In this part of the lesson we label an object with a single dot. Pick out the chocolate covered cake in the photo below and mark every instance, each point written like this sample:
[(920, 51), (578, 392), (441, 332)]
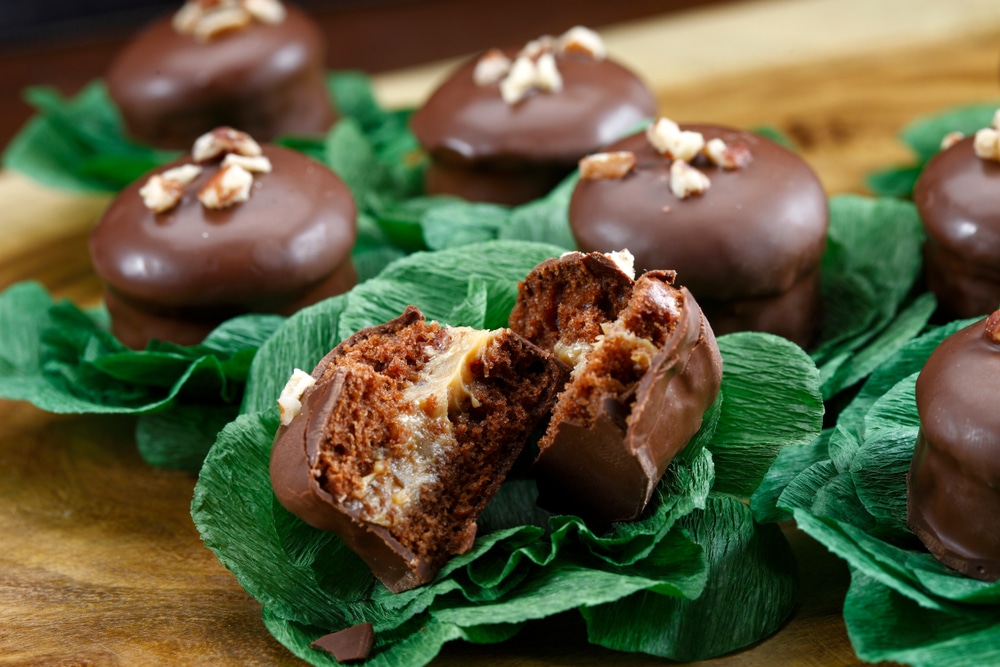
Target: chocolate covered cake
[(958, 196), (253, 64), (741, 219), (646, 368), (953, 487), (403, 433), (235, 227), (509, 125)]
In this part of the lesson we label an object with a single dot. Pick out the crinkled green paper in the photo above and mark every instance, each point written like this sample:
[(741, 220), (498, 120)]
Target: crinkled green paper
[(924, 137), (866, 282), (848, 491), (65, 360), (79, 143), (526, 564)]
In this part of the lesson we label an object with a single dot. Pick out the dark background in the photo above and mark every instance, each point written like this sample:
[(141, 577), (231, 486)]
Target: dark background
[(66, 44)]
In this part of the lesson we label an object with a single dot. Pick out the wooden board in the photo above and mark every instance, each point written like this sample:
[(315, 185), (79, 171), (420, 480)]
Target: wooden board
[(100, 564)]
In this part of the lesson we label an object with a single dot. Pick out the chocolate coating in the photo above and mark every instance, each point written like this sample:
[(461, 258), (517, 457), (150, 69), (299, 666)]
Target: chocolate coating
[(353, 643), (756, 234), (953, 485), (265, 80), (176, 275), (958, 196), (467, 126), (293, 455)]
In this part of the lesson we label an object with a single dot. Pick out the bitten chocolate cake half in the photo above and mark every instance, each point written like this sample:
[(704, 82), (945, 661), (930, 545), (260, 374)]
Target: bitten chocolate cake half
[(403, 433), (646, 368)]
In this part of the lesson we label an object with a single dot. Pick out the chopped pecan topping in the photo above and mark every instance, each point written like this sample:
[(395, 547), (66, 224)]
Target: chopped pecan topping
[(721, 154), (537, 47), (270, 12), (602, 166), (223, 140), (164, 191), (547, 77), (987, 144), (229, 186), (668, 138), (521, 79), (491, 67), (258, 165), (951, 139), (290, 400), (206, 19), (582, 40), (686, 181)]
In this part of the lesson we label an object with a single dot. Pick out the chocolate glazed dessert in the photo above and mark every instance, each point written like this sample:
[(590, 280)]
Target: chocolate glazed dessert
[(741, 219), (280, 244), (261, 72), (953, 487), (508, 126), (646, 368), (958, 196), (403, 433)]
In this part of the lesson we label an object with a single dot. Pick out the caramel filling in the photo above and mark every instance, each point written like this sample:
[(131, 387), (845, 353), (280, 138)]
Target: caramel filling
[(445, 385)]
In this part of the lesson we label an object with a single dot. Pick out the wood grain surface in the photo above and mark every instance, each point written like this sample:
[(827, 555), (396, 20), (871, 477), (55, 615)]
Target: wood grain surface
[(100, 564)]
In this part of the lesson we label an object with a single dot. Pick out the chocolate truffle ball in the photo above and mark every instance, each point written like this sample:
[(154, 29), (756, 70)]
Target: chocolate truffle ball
[(953, 498), (506, 127), (177, 274), (746, 236), (175, 81), (958, 196)]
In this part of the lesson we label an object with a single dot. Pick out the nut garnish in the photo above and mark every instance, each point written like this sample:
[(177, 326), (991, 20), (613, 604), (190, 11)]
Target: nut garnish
[(582, 40), (221, 21), (230, 185), (521, 78), (271, 12), (993, 327), (668, 138), (987, 144), (164, 191), (258, 165), (686, 181), (160, 194), (491, 67), (537, 47), (205, 19), (602, 166), (625, 261), (547, 77), (951, 139), (224, 140), (290, 400), (535, 67), (729, 157)]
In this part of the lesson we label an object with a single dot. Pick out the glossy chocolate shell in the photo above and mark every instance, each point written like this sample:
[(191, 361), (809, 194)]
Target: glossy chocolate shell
[(265, 80), (176, 275)]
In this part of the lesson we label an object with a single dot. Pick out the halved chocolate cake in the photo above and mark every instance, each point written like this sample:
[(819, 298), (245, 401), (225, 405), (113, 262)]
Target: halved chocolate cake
[(646, 368), (403, 433)]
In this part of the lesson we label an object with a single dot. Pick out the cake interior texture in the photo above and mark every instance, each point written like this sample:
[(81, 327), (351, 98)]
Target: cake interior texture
[(619, 357), (428, 423)]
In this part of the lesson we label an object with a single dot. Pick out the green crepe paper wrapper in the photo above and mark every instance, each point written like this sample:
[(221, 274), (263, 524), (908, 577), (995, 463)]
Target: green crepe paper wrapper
[(694, 543), (924, 136), (65, 360), (867, 286), (848, 490)]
